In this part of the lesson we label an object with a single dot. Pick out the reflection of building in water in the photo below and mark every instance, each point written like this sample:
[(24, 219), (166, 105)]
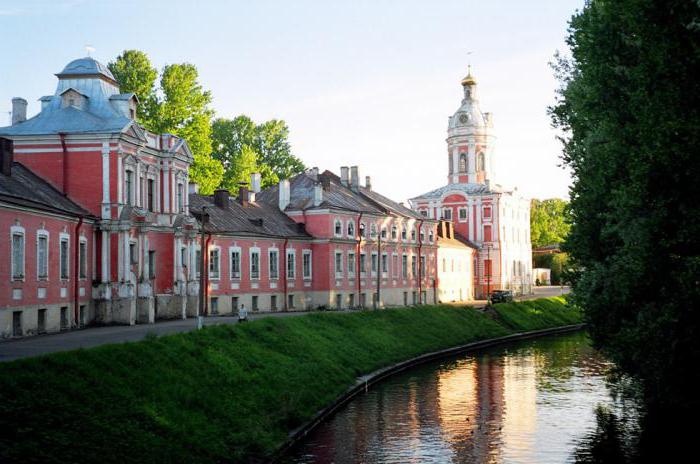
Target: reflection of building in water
[(472, 409), (520, 394)]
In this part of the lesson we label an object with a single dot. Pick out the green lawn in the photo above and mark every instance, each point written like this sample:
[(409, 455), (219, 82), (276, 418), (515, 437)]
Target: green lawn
[(225, 393)]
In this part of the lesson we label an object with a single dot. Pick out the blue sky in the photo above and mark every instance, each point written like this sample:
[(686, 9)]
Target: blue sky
[(368, 83)]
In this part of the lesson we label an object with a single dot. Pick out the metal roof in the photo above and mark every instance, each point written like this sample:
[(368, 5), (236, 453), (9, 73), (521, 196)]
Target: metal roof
[(66, 120), (25, 188), (86, 67), (469, 189), (255, 218)]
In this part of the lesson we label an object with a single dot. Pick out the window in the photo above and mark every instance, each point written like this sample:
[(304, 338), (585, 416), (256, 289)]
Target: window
[(273, 302), (291, 264), (254, 302), (462, 212), (447, 214), (17, 324), (42, 257), (41, 321), (404, 233), (480, 162), (463, 162), (395, 265), (374, 263), (63, 258), (413, 266), (234, 303), (383, 232), (363, 232), (198, 262), (351, 300), (339, 301), (351, 229), (363, 263), (413, 235), (290, 301), (133, 254), (180, 198), (423, 212), (351, 264), (487, 212), (17, 255), (385, 263), (214, 263), (404, 266), (421, 269), (129, 188), (274, 263), (338, 228), (254, 263), (394, 232), (431, 236), (150, 200), (183, 259), (373, 230), (152, 264), (82, 257), (422, 235), (306, 264), (64, 318), (338, 264), (487, 233), (214, 305), (235, 263)]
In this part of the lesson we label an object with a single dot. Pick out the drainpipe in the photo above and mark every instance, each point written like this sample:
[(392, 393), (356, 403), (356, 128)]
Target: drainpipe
[(357, 257), (284, 272), (62, 136), (420, 267), (76, 272), (206, 278)]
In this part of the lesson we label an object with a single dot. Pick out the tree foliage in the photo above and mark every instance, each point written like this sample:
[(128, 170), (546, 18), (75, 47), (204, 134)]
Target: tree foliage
[(549, 224), (629, 114), (268, 141), (179, 106)]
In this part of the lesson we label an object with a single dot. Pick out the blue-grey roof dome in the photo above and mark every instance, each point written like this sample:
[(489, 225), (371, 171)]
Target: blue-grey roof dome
[(86, 66)]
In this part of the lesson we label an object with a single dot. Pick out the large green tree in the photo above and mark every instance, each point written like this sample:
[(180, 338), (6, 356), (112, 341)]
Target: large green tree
[(179, 105), (548, 222), (268, 140), (629, 112)]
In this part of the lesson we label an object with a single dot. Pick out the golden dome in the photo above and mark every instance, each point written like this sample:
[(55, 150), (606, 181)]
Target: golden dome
[(469, 79)]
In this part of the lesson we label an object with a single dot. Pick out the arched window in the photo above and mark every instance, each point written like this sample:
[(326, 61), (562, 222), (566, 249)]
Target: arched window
[(362, 230), (463, 162), (480, 162), (351, 228), (394, 232), (338, 227), (373, 230)]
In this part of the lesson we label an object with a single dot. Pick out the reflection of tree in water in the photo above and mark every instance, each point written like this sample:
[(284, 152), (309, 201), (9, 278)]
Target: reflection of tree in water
[(610, 442)]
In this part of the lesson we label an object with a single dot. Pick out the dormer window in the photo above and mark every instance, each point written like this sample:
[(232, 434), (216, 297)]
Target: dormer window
[(73, 98)]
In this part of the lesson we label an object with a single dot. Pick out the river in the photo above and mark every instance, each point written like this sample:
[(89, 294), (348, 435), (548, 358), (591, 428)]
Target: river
[(537, 401)]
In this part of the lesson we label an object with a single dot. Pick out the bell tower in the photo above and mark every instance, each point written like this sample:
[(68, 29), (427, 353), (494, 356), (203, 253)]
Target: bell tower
[(470, 139)]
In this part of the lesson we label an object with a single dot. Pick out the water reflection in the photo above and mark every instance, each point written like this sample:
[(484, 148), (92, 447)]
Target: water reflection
[(528, 403)]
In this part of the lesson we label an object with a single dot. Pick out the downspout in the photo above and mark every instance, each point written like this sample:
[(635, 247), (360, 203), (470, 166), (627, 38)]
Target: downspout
[(420, 266), (284, 272), (379, 268), (357, 257), (206, 275), (62, 136), (76, 272)]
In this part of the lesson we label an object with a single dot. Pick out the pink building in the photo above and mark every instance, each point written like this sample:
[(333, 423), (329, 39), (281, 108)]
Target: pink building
[(495, 218)]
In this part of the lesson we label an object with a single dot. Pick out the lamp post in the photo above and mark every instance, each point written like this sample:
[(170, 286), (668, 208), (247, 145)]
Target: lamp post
[(203, 219)]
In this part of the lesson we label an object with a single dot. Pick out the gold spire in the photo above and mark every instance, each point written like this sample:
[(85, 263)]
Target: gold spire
[(469, 79)]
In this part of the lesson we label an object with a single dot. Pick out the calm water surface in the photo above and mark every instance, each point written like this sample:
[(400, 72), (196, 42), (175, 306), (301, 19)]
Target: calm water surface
[(530, 402)]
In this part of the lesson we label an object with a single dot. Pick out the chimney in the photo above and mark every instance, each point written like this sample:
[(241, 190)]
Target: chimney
[(193, 188), (344, 175), (255, 182), (45, 101), (221, 198), (243, 194), (318, 194), (6, 155), (283, 194), (368, 183), (314, 173), (19, 110), (355, 178)]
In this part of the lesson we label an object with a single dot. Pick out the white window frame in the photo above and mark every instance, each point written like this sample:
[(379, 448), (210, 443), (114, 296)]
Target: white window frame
[(384, 260), (338, 266), (276, 261), (404, 233), (217, 249), (372, 230), (404, 266), (18, 230), (129, 194), (350, 228), (363, 264), (443, 211), (307, 275), (352, 263), (394, 233), (431, 235), (63, 237), (291, 252), (254, 251), (395, 265), (338, 228), (39, 234), (460, 210), (83, 257), (374, 263), (231, 251)]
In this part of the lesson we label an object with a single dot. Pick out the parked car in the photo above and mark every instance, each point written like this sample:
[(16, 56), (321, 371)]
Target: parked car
[(501, 296)]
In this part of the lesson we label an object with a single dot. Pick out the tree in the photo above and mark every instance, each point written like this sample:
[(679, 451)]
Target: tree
[(629, 112), (179, 106), (135, 74), (269, 142), (548, 222)]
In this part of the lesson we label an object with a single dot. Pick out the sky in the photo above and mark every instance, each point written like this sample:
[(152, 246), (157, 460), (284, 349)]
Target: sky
[(366, 83)]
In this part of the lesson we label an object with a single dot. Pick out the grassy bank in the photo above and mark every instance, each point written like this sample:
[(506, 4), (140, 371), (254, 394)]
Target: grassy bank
[(226, 393)]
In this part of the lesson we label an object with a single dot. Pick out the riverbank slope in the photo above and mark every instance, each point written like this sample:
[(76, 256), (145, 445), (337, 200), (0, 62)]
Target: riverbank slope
[(227, 393)]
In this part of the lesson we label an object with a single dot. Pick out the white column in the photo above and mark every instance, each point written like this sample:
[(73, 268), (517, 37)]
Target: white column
[(166, 187), (106, 210), (137, 188), (105, 256)]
